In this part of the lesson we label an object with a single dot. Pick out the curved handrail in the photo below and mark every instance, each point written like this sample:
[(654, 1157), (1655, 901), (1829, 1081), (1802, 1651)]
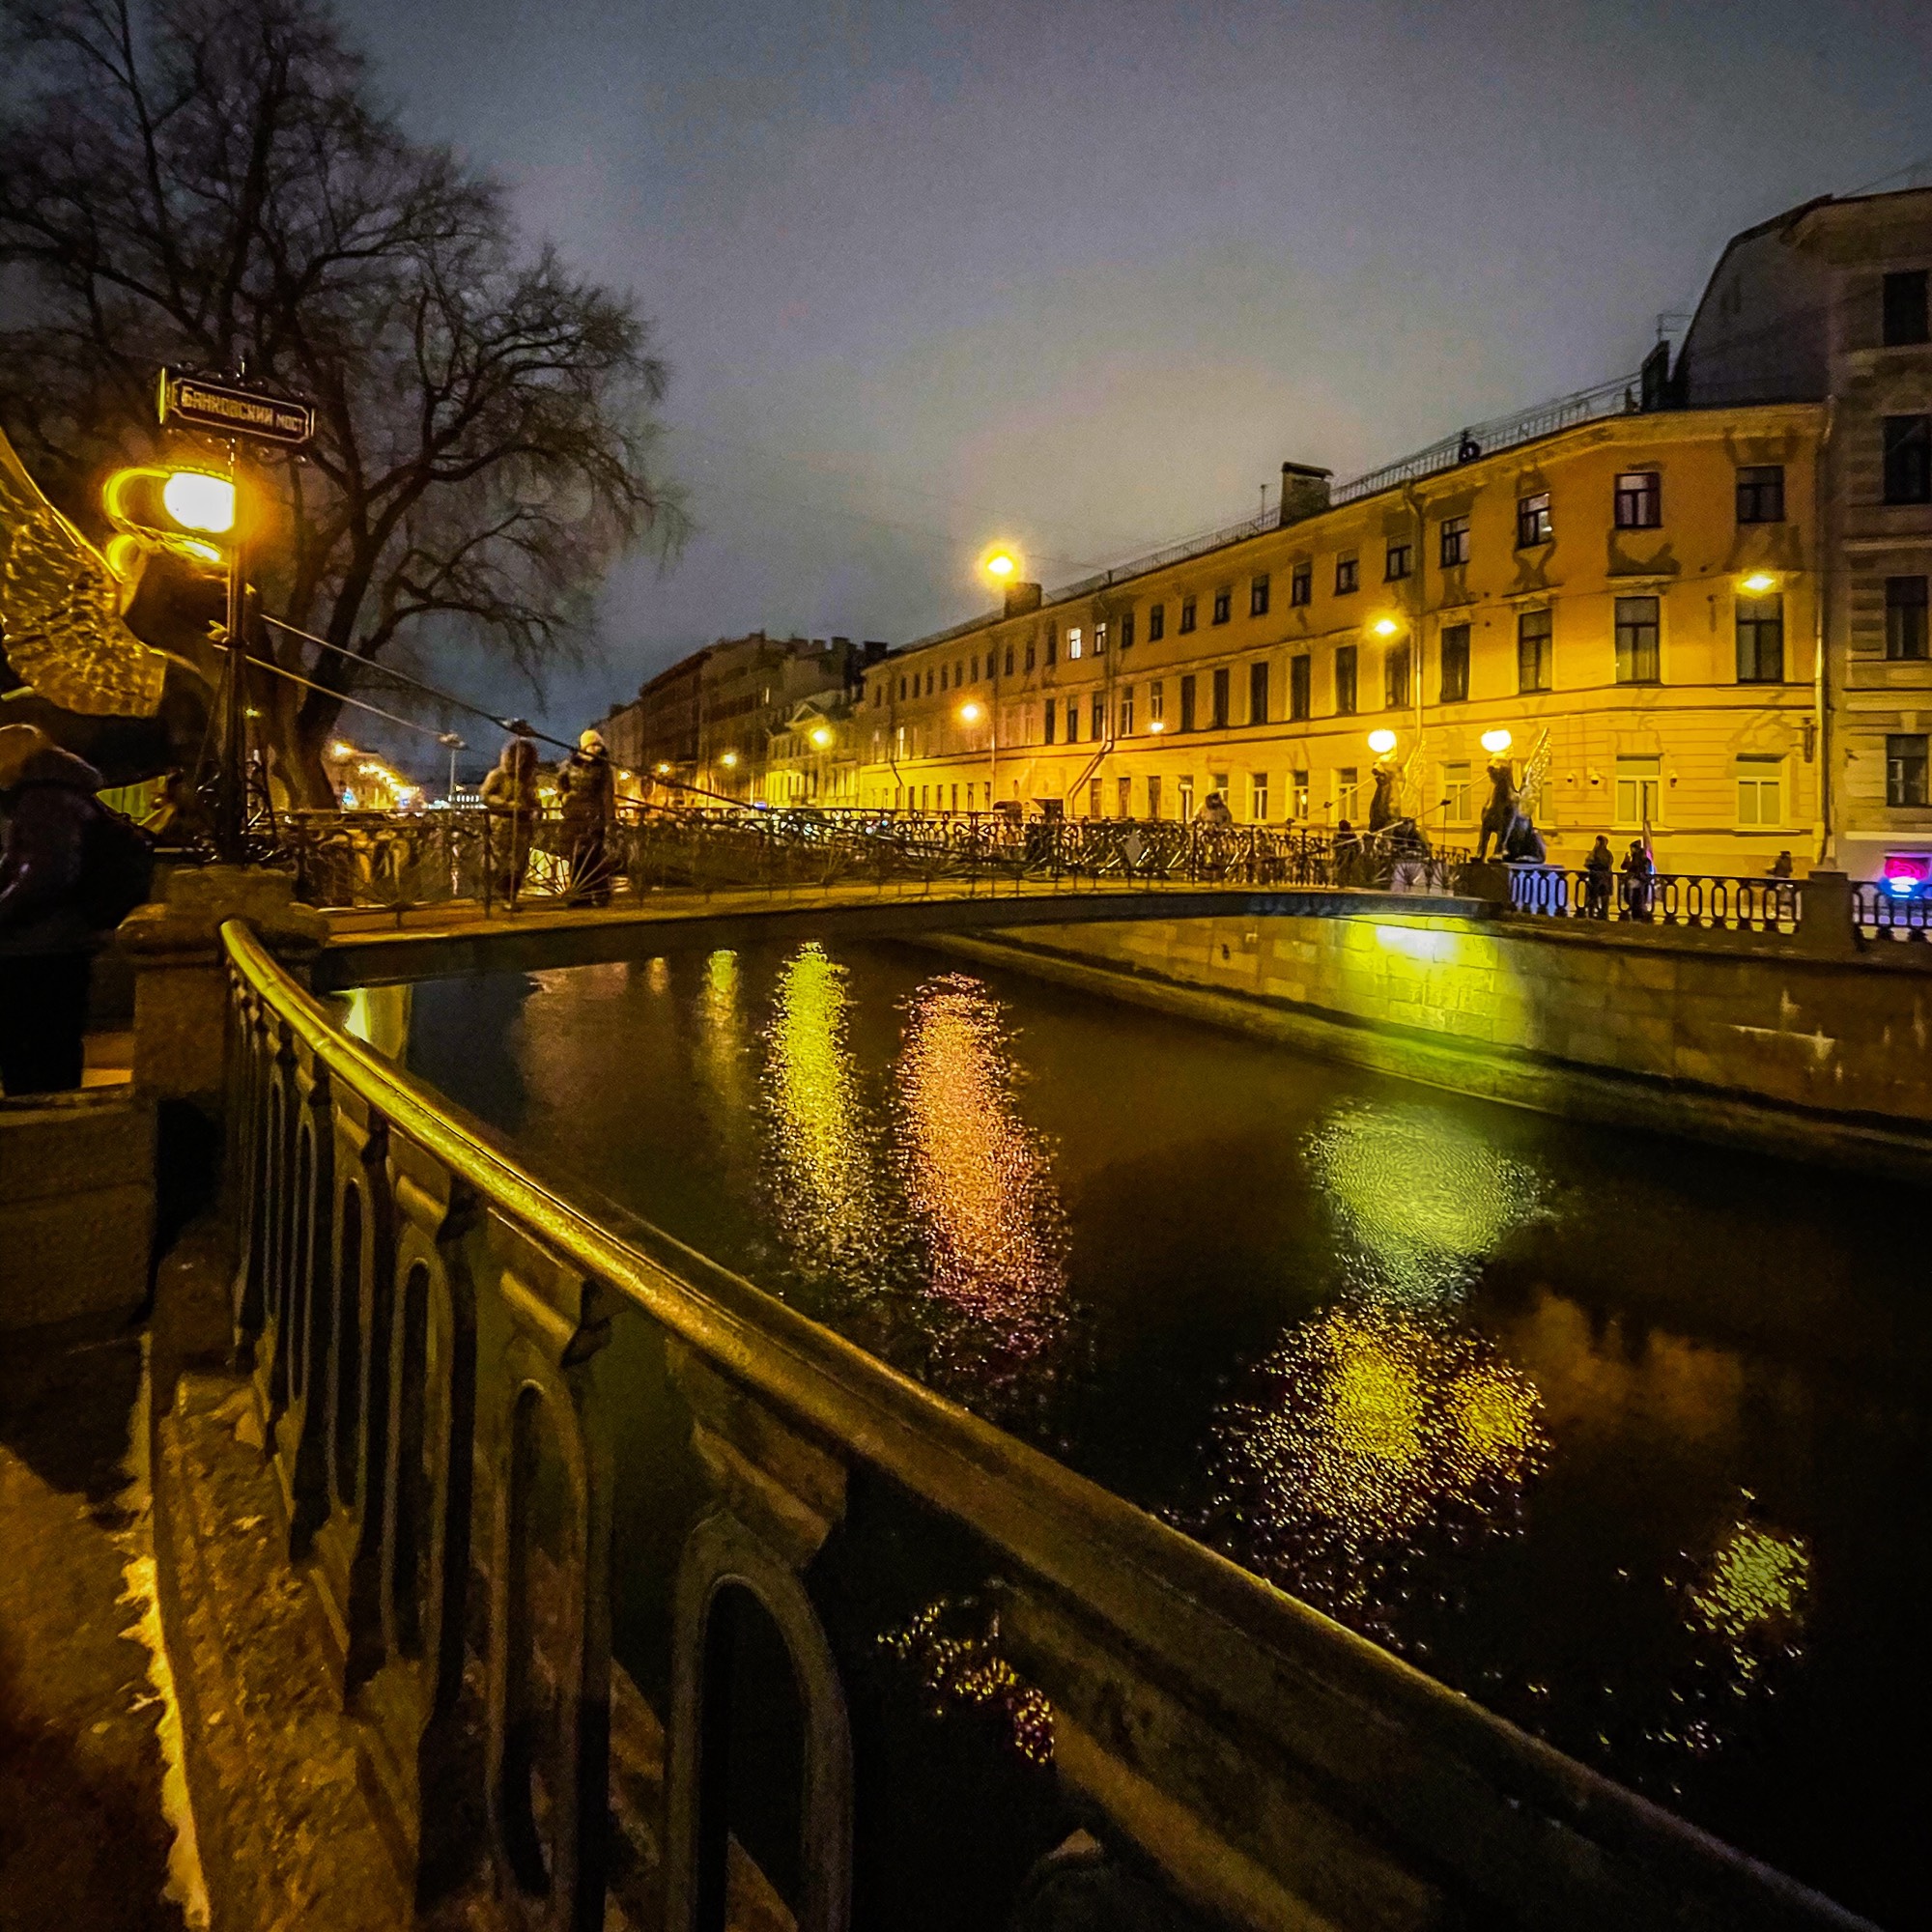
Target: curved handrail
[(1500, 1798)]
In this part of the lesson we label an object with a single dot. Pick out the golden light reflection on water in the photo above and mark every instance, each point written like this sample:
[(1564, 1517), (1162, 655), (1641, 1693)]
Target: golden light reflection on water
[(1365, 1440), (823, 1153), (978, 1182), (720, 1032), (1422, 1197), (1754, 1593)]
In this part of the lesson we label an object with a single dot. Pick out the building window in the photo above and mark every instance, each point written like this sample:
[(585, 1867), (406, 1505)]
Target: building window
[(1399, 560), (1028, 654), (1186, 614), (1223, 604), (1639, 502), (1220, 689), (1156, 703), (1761, 492), (1009, 661), (1905, 319), (1128, 712), (1128, 630), (1533, 650), (1637, 640), (1454, 663), (1532, 521), (1046, 737), (1908, 459), (1098, 718), (1258, 596), (1127, 793), (1905, 632), (1454, 548), (1154, 797), (1395, 677), (1760, 790), (1300, 584), (1760, 639), (1187, 702), (1455, 793), (902, 690), (1257, 797), (942, 677), (1257, 692), (1052, 642), (1074, 641), (1092, 798), (1344, 680), (958, 675), (1156, 622), (1345, 791), (1637, 783), (974, 669), (1074, 721), (1301, 682), (1099, 640), (1905, 768), (1348, 575), (1299, 796)]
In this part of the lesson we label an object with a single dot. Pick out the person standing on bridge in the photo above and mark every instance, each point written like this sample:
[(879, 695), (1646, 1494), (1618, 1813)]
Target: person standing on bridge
[(69, 871), (1598, 869), (589, 798), (510, 801)]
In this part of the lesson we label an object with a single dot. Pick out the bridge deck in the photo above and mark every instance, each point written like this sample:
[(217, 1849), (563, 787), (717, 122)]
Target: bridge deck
[(369, 948)]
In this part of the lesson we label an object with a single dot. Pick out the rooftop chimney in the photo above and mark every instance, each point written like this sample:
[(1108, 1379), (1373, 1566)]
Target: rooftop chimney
[(1305, 491), (1022, 597)]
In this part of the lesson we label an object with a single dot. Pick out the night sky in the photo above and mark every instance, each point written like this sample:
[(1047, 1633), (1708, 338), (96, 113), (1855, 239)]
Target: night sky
[(1081, 275)]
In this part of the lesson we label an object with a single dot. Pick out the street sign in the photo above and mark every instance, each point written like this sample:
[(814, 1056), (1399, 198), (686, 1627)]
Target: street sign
[(227, 408)]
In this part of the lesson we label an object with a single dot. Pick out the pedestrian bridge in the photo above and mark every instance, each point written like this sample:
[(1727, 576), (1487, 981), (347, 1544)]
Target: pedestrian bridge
[(466, 1370)]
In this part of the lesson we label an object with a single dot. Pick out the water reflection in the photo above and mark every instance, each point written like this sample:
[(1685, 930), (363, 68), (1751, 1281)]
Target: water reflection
[(823, 1152), (1754, 1594), (720, 1044), (978, 1183), (1425, 1199), (1367, 1451)]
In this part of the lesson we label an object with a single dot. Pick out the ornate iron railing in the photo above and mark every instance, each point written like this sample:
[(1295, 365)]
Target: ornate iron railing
[(1658, 898), (1877, 909), (404, 860), (616, 1549)]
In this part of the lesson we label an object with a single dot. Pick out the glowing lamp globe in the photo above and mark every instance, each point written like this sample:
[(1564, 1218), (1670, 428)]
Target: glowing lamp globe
[(1496, 743), (1382, 743), (968, 714), (1758, 582), (821, 737), (1002, 565), (1385, 627), (199, 501)]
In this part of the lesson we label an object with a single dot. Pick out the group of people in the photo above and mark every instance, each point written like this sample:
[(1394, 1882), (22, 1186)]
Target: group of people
[(588, 801)]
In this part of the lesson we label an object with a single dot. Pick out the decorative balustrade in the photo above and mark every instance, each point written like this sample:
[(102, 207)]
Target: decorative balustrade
[(1658, 898), (402, 860), (1877, 909), (622, 1554)]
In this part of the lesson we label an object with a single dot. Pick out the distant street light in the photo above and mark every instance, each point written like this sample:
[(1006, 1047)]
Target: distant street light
[(1383, 742), (821, 737), (1758, 582), (970, 713), (1000, 565), (728, 761), (1385, 627), (1496, 742)]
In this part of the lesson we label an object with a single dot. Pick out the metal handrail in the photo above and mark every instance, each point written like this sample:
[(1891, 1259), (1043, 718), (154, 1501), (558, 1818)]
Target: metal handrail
[(1440, 1795), (1746, 903)]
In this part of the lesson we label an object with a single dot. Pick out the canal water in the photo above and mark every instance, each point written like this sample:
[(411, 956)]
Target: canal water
[(1623, 1437)]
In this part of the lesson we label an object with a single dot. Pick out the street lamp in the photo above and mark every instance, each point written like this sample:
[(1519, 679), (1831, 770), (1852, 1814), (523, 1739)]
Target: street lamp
[(1384, 627), (200, 502), (1757, 583), (1496, 742), (970, 714), (1002, 564), (1383, 742), (821, 737)]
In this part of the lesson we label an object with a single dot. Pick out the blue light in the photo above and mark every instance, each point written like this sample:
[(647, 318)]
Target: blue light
[(1900, 886)]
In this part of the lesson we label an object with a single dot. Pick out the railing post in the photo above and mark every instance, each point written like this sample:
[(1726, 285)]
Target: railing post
[(1825, 925)]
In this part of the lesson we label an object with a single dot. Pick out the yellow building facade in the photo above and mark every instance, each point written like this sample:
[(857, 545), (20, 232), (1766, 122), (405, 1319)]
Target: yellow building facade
[(1635, 600)]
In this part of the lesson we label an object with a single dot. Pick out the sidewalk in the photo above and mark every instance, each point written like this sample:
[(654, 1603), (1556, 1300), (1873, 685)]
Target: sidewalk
[(84, 1840)]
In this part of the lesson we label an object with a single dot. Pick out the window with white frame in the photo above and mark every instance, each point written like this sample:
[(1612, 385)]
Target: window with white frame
[(1074, 641), (1347, 791), (1257, 797), (1639, 786), (1760, 789), (1456, 808)]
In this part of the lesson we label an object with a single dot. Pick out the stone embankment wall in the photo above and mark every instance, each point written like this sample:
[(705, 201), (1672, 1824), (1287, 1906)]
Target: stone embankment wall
[(1733, 1035)]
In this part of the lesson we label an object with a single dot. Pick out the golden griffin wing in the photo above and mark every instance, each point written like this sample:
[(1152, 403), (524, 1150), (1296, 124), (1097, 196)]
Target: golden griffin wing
[(60, 609)]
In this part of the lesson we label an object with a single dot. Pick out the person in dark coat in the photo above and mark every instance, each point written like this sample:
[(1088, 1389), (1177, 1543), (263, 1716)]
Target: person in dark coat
[(1637, 873), (46, 939), (1598, 870), (589, 791), (510, 798)]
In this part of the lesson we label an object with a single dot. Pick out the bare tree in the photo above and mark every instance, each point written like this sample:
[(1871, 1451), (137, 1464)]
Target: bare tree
[(199, 182)]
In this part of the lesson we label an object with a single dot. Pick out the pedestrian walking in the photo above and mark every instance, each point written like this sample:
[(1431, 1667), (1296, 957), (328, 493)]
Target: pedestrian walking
[(589, 798), (510, 804), (1782, 865), (71, 870), (1598, 870)]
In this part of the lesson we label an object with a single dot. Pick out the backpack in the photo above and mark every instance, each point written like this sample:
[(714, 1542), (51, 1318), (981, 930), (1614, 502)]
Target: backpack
[(117, 867)]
